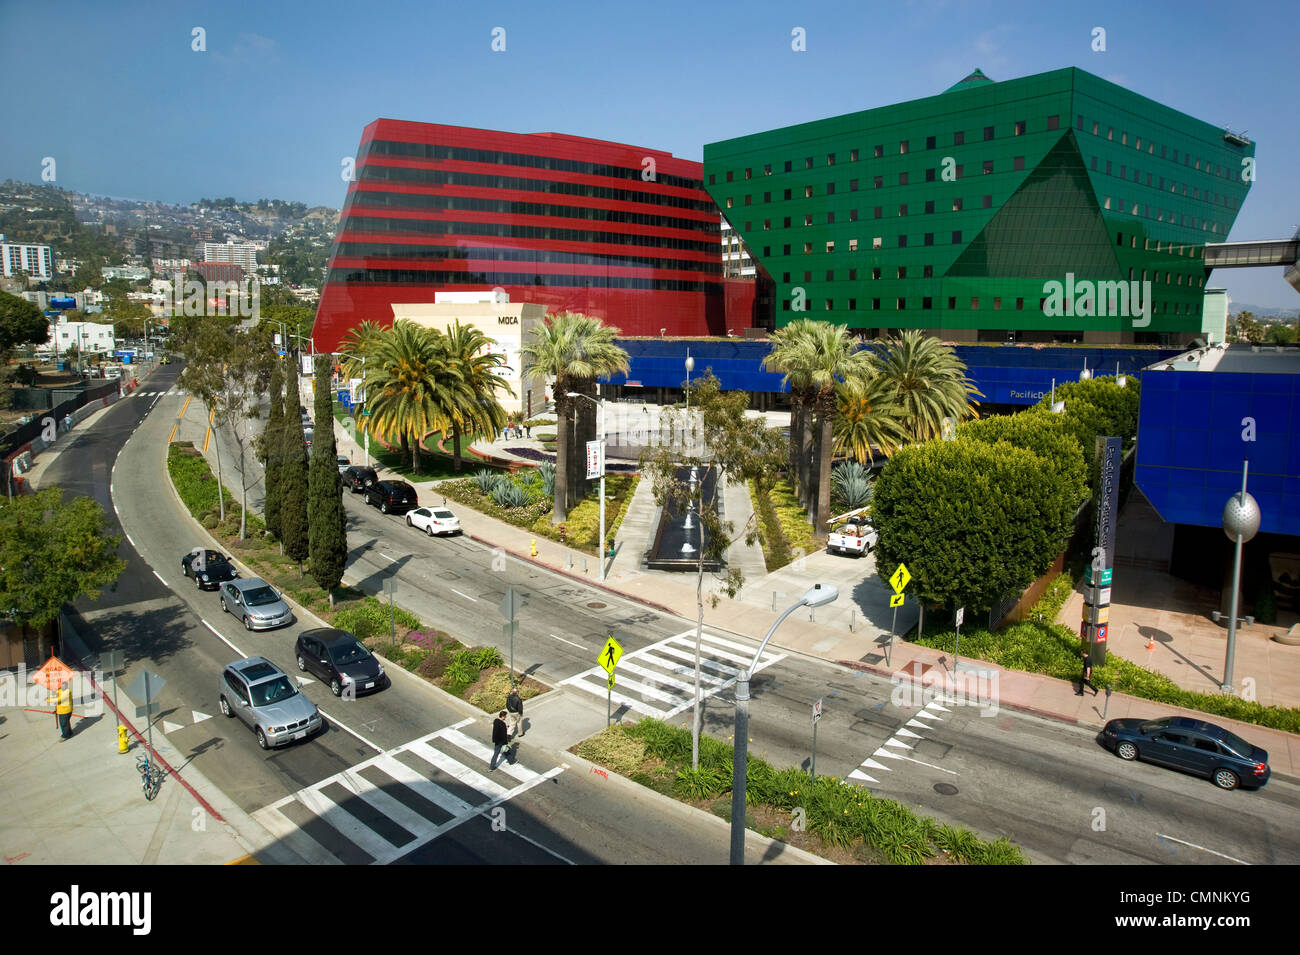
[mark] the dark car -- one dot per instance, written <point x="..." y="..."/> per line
<point x="338" y="658"/>
<point x="358" y="478"/>
<point x="209" y="568"/>
<point x="391" y="496"/>
<point x="1193" y="746"/>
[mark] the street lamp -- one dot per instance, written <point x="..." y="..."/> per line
<point x="817" y="596"/>
<point x="1240" y="522"/>
<point x="1085" y="374"/>
<point x="690" y="367"/>
<point x="600" y="415"/>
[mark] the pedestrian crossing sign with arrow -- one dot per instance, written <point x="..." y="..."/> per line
<point x="610" y="654"/>
<point x="895" y="600"/>
<point x="900" y="579"/>
<point x="611" y="679"/>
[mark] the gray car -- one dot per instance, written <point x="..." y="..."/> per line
<point x="263" y="696"/>
<point x="255" y="602"/>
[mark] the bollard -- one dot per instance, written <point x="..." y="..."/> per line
<point x="532" y="547"/>
<point x="568" y="560"/>
<point x="853" y="613"/>
<point x="123" y="742"/>
<point x="584" y="565"/>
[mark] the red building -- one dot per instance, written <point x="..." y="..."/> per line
<point x="618" y="232"/>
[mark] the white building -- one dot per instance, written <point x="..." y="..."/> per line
<point x="86" y="337"/>
<point x="736" y="262"/>
<point x="132" y="273"/>
<point x="243" y="254"/>
<point x="36" y="260"/>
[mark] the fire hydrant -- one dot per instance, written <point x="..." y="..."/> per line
<point x="123" y="742"/>
<point x="611" y="547"/>
<point x="532" y="547"/>
<point x="563" y="533"/>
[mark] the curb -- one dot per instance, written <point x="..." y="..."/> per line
<point x="682" y="809"/>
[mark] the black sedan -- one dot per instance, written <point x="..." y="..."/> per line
<point x="390" y="496"/>
<point x="357" y="478"/>
<point x="209" y="568"/>
<point x="1193" y="746"/>
<point x="338" y="658"/>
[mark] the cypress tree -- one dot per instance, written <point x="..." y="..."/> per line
<point x="292" y="477"/>
<point x="271" y="439"/>
<point x="326" y="520"/>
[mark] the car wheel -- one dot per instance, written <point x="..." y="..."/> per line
<point x="302" y="664"/>
<point x="383" y="507"/>
<point x="1226" y="779"/>
<point x="336" y="687"/>
<point x="224" y="608"/>
<point x="429" y="530"/>
<point x="261" y="739"/>
<point x="1126" y="750"/>
<point x="408" y="521"/>
<point x="198" y="583"/>
<point x="248" y="624"/>
<point x="225" y="708"/>
<point x="185" y="568"/>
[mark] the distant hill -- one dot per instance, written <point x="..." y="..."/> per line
<point x="1267" y="311"/>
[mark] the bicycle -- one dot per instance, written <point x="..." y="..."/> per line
<point x="150" y="775"/>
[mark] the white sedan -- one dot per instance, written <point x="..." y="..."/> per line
<point x="433" y="520"/>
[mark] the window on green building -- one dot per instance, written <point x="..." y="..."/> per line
<point x="988" y="133"/>
<point x="902" y="147"/>
<point x="988" y="202"/>
<point x="928" y="272"/>
<point x="959" y="138"/>
<point x="901" y="304"/>
<point x="902" y="242"/>
<point x="956" y="237"/>
<point x="974" y="303"/>
<point x="808" y="162"/>
<point x="902" y="271"/>
<point x="988" y="166"/>
<point x="929" y="206"/>
<point x="927" y="303"/>
<point x="789" y="166"/>
<point x="1018" y="163"/>
<point x="929" y="175"/>
<point x="1054" y="122"/>
<point x="902" y="209"/>
<point x="853" y="215"/>
<point x="879" y="151"/>
<point x="902" y="179"/>
<point x="929" y="142"/>
<point x="853" y="155"/>
<point x="877" y="182"/>
<point x="830" y="159"/>
<point x="875" y="273"/>
<point x="956" y="205"/>
<point x="952" y="303"/>
<point x="853" y="185"/>
<point x="928" y="239"/>
<point x="1019" y="128"/>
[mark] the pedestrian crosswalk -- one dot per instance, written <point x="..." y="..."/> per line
<point x="895" y="750"/>
<point x="141" y="393"/>
<point x="376" y="811"/>
<point x="659" y="680"/>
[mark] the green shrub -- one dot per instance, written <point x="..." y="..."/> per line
<point x="370" y="618"/>
<point x="433" y="665"/>
<point x="508" y="494"/>
<point x="486" y="479"/>
<point x="488" y="657"/>
<point x="850" y="486"/>
<point x="702" y="783"/>
<point x="460" y="672"/>
<point x="617" y="750"/>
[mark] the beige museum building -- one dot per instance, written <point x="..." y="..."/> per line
<point x="507" y="324"/>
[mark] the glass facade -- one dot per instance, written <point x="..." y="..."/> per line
<point x="1058" y="178"/>
<point x="625" y="234"/>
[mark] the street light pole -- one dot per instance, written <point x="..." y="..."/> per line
<point x="1241" y="518"/>
<point x="690" y="367"/>
<point x="817" y="596"/>
<point x="600" y="415"/>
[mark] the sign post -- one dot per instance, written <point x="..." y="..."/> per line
<point x="610" y="654"/>
<point x="510" y="609"/>
<point x="817" y="718"/>
<point x="961" y="615"/>
<point x="146" y="686"/>
<point x="898" y="580"/>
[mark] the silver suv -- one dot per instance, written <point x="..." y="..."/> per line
<point x="264" y="697"/>
<point x="255" y="602"/>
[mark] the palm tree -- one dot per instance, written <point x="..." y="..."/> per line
<point x="574" y="350"/>
<point x="475" y="407"/>
<point x="831" y="356"/>
<point x="354" y="346"/>
<point x="409" y="381"/>
<point x="866" y="418"/>
<point x="927" y="383"/>
<point x="788" y="345"/>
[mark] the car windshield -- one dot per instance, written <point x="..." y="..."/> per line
<point x="273" y="691"/>
<point x="260" y="596"/>
<point x="1152" y="726"/>
<point x="349" y="653"/>
<point x="444" y="515"/>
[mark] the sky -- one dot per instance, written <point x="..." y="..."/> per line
<point x="120" y="98"/>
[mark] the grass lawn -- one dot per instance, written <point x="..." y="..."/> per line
<point x="434" y="465"/>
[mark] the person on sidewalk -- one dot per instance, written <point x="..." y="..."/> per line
<point x="515" y="712"/>
<point x="1086" y="678"/>
<point x="62" y="699"/>
<point x="500" y="737"/>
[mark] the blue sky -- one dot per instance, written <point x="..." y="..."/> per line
<point x="117" y="96"/>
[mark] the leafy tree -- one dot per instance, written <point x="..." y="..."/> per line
<point x="1280" y="334"/>
<point x="474" y="405"/>
<point x="575" y="351"/>
<point x="928" y="383"/>
<point x="327" y="522"/>
<point x="270" y="449"/>
<point x="203" y="376"/>
<point x="1096" y="407"/>
<point x="789" y="345"/>
<point x="53" y="551"/>
<point x="973" y="521"/>
<point x="248" y="368"/>
<point x="21" y="323"/>
<point x="867" y="419"/>
<point x="292" y="475"/>
<point x="739" y="448"/>
<point x="409" y="383"/>
<point x="360" y="341"/>
<point x="1048" y="436"/>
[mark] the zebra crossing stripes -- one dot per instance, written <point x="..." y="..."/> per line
<point x="140" y="393"/>
<point x="389" y="805"/>
<point x="659" y="680"/>
<point x="895" y="748"/>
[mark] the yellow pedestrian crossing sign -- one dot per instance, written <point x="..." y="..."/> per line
<point x="900" y="579"/>
<point x="895" y="600"/>
<point x="610" y="654"/>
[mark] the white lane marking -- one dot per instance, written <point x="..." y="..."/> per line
<point x="391" y="560"/>
<point x="858" y="774"/>
<point x="170" y="727"/>
<point x="158" y="575"/>
<point x="222" y="638"/>
<point x="1193" y="845"/>
<point x="345" y="727"/>
<point x="200" y="717"/>
<point x="128" y="536"/>
<point x="466" y="596"/>
<point x="569" y="642"/>
<point x="931" y="765"/>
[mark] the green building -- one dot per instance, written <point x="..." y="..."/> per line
<point x="1035" y="209"/>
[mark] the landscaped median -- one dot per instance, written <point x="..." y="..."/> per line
<point x="1037" y="645"/>
<point x="475" y="674"/>
<point x="784" y="531"/>
<point x="825" y="816"/>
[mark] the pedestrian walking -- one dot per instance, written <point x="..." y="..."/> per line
<point x="529" y="429"/>
<point x="500" y="737"/>
<point x="515" y="712"/>
<point x="62" y="698"/>
<point x="1086" y="678"/>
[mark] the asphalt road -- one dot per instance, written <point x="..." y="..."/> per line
<point x="1047" y="786"/>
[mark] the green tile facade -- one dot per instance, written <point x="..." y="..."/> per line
<point x="955" y="211"/>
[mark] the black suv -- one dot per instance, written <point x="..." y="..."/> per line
<point x="391" y="496"/>
<point x="358" y="478"/>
